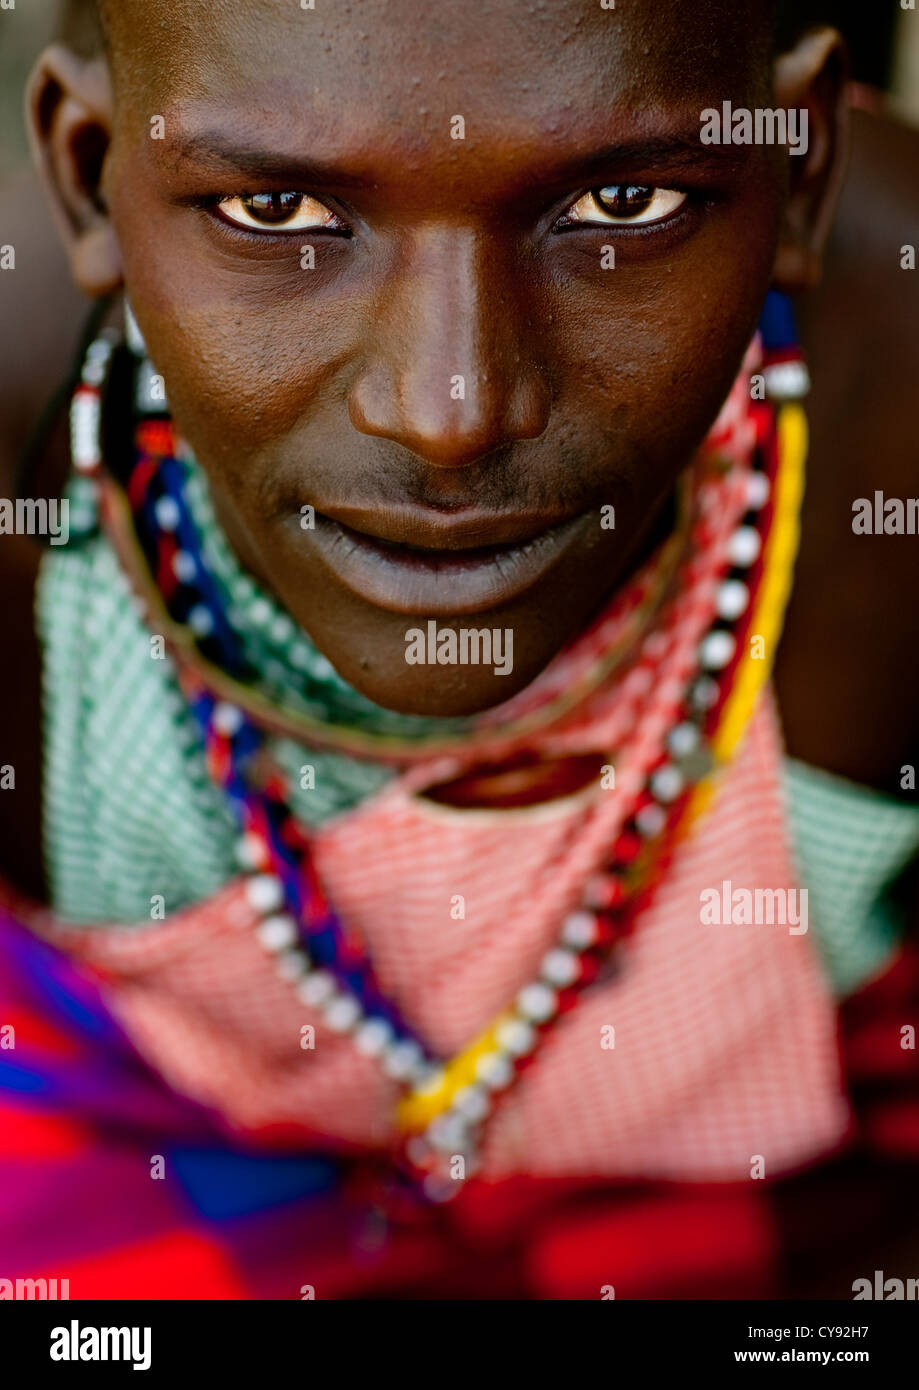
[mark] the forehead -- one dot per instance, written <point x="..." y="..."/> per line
<point x="504" y="64"/>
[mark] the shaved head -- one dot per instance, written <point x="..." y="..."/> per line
<point x="85" y="23"/>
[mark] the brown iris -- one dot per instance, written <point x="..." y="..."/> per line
<point x="272" y="207"/>
<point x="624" y="199"/>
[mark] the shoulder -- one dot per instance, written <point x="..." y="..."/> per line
<point x="849" y="662"/>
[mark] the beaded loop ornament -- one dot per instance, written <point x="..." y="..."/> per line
<point x="446" y="1102"/>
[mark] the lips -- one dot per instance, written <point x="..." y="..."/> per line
<point x="425" y="529"/>
<point x="441" y="564"/>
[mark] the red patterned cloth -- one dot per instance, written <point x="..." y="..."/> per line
<point x="83" y="1118"/>
<point x="725" y="1036"/>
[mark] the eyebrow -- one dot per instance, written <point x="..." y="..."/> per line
<point x="678" y="149"/>
<point x="216" y="152"/>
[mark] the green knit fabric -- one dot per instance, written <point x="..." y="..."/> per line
<point x="130" y="813"/>
<point x="852" y="845"/>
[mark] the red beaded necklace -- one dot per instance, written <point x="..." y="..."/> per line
<point x="447" y="1102"/>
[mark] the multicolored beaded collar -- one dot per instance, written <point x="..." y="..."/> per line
<point x="447" y="1101"/>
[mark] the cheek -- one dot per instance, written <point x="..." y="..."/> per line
<point x="651" y="352"/>
<point x="243" y="351"/>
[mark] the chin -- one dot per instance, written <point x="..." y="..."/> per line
<point x="439" y="691"/>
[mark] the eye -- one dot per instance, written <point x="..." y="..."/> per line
<point x="278" y="212"/>
<point x="625" y="204"/>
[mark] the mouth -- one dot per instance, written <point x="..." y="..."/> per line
<point x="427" y="563"/>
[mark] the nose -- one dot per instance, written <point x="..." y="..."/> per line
<point x="449" y="369"/>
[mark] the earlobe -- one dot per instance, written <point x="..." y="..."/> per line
<point x="69" y="119"/>
<point x="811" y="78"/>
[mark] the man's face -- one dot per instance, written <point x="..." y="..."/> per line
<point x="483" y="350"/>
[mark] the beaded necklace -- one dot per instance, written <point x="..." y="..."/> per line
<point x="446" y="1101"/>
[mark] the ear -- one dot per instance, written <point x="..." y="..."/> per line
<point x="69" y="119"/>
<point x="811" y="77"/>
